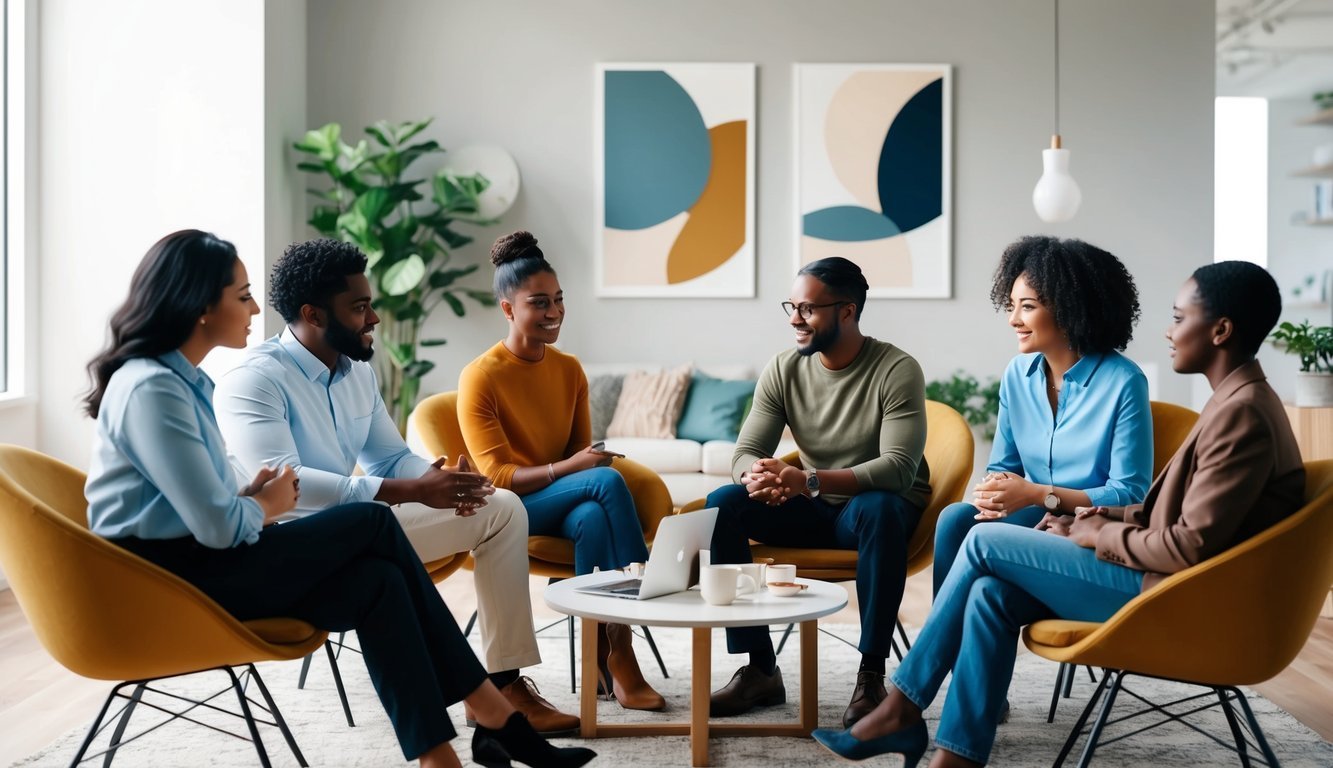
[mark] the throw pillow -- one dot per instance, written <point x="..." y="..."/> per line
<point x="714" y="409"/>
<point x="603" y="394"/>
<point x="650" y="403"/>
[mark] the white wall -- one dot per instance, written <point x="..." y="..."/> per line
<point x="154" y="118"/>
<point x="1136" y="111"/>
<point x="1294" y="251"/>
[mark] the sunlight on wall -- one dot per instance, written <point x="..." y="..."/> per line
<point x="1240" y="173"/>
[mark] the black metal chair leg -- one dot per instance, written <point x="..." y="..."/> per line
<point x="1255" y="730"/>
<point x="122" y="723"/>
<point x="1091" y="675"/>
<point x="1105" y="714"/>
<point x="277" y="716"/>
<point x="1055" y="694"/>
<point x="338" y="682"/>
<point x="467" y="632"/>
<point x="305" y="670"/>
<point x="1242" y="748"/>
<point x="573" y="678"/>
<point x="1082" y="720"/>
<point x="1070" y="674"/>
<point x="92" y="730"/>
<point x="907" y="644"/>
<point x="249" y="718"/>
<point x="783" y="642"/>
<point x="647" y="635"/>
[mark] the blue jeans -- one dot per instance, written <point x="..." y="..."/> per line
<point x="877" y="524"/>
<point x="594" y="508"/>
<point x="954" y="523"/>
<point x="1007" y="577"/>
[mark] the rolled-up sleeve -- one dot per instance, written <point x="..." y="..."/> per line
<point x="159" y="434"/>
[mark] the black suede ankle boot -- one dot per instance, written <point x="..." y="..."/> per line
<point x="517" y="741"/>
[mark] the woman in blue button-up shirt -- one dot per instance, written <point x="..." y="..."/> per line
<point x="160" y="486"/>
<point x="1075" y="425"/>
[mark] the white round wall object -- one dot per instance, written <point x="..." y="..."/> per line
<point x="499" y="169"/>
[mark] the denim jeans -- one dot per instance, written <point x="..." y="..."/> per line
<point x="594" y="508"/>
<point x="954" y="523"/>
<point x="877" y="524"/>
<point x="1007" y="577"/>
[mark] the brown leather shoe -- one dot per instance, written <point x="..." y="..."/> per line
<point x="627" y="683"/>
<point x="541" y="714"/>
<point x="749" y="688"/>
<point x="867" y="695"/>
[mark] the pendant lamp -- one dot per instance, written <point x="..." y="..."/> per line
<point x="1056" y="197"/>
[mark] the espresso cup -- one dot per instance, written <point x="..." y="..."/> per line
<point x="781" y="572"/>
<point x="718" y="583"/>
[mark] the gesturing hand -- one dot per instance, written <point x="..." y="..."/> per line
<point x="589" y="458"/>
<point x="456" y="487"/>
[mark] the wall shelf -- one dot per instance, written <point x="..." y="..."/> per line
<point x="1324" y="171"/>
<point x="1324" y="117"/>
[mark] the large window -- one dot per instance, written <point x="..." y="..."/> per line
<point x="1240" y="173"/>
<point x="15" y="286"/>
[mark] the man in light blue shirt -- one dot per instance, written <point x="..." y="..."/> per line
<point x="309" y="398"/>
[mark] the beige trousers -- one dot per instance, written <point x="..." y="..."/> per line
<point x="497" y="537"/>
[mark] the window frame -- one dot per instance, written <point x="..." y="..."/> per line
<point x="18" y="279"/>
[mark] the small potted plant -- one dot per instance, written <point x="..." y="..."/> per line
<point x="1314" y="347"/>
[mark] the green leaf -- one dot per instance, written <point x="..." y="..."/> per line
<point x="310" y="167"/>
<point x="485" y="298"/>
<point x="454" y="304"/>
<point x="321" y="141"/>
<point x="405" y="131"/>
<point x="456" y="194"/>
<point x="324" y="220"/>
<point x="447" y="276"/>
<point x="381" y="131"/>
<point x="402" y="354"/>
<point x="433" y="342"/>
<point x="373" y="257"/>
<point x="373" y="205"/>
<point x="404" y="276"/>
<point x="418" y="368"/>
<point x="412" y="311"/>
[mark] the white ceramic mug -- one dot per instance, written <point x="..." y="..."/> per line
<point x="718" y="583"/>
<point x="755" y="571"/>
<point x="781" y="572"/>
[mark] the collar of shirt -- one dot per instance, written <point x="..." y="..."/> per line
<point x="312" y="366"/>
<point x="193" y="376"/>
<point x="1080" y="373"/>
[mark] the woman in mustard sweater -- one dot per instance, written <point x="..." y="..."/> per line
<point x="523" y="411"/>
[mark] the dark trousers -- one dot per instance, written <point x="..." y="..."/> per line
<point x="346" y="568"/>
<point x="877" y="524"/>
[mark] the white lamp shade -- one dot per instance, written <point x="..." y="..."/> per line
<point x="1056" y="196"/>
<point x="499" y="169"/>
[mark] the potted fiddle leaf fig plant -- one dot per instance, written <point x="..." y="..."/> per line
<point x="405" y="226"/>
<point x="1314" y="346"/>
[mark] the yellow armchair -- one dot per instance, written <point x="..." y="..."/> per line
<point x="1235" y="619"/>
<point x="107" y="614"/>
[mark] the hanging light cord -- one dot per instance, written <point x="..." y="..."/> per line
<point x="1057" y="67"/>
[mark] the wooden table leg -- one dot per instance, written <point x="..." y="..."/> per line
<point x="588" y="694"/>
<point x="809" y="676"/>
<point x="700" y="688"/>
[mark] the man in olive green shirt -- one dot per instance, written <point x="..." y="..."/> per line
<point x="857" y="408"/>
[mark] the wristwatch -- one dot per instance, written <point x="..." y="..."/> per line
<point x="811" y="483"/>
<point x="1052" y="502"/>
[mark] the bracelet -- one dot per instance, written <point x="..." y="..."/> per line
<point x="550" y="471"/>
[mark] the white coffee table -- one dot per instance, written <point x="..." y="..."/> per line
<point x="687" y="609"/>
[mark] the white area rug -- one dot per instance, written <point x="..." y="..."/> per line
<point x="1027" y="739"/>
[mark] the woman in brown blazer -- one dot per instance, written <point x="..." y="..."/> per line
<point x="1238" y="472"/>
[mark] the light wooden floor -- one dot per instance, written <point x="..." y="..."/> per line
<point x="40" y="700"/>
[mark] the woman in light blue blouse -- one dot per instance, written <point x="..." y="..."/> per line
<point x="161" y="487"/>
<point x="1075" y="426"/>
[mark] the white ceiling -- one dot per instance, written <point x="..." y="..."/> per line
<point x="1276" y="49"/>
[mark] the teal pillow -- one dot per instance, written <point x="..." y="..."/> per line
<point x="713" y="409"/>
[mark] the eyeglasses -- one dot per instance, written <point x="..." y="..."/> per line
<point x="807" y="310"/>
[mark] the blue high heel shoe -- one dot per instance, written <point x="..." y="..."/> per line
<point x="910" y="743"/>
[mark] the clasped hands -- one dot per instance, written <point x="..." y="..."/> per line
<point x="1081" y="528"/>
<point x="1000" y="493"/>
<point x="773" y="481"/>
<point x="456" y="487"/>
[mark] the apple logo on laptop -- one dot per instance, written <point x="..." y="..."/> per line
<point x="680" y="555"/>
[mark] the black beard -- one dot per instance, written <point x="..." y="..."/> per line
<point x="821" y="341"/>
<point x="347" y="342"/>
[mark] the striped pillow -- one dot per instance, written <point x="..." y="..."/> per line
<point x="650" y="403"/>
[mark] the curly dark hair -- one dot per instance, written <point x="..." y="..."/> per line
<point x="1243" y="292"/>
<point x="516" y="258"/>
<point x="311" y="273"/>
<point x="1088" y="291"/>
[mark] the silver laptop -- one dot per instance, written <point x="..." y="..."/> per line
<point x="673" y="563"/>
